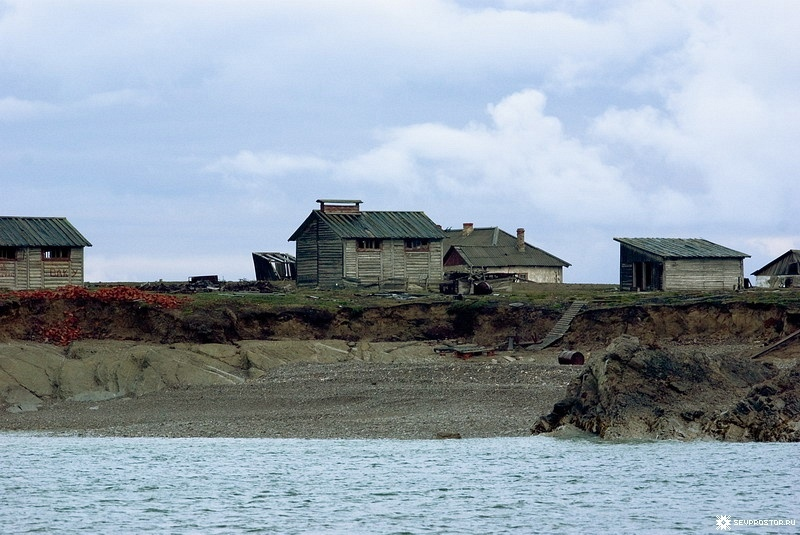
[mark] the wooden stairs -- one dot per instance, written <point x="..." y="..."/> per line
<point x="560" y="328"/>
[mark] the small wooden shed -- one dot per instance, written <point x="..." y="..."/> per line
<point x="493" y="251"/>
<point x="784" y="271"/>
<point x="340" y="244"/>
<point x="40" y="252"/>
<point x="678" y="264"/>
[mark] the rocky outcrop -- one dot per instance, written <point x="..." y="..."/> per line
<point x="95" y="370"/>
<point x="630" y="391"/>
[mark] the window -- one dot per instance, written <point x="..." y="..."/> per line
<point x="55" y="253"/>
<point x="417" y="244"/>
<point x="8" y="253"/>
<point x="368" y="244"/>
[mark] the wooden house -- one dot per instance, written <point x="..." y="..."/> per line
<point x="339" y="244"/>
<point x="784" y="271"/>
<point x="678" y="264"/>
<point x="492" y="251"/>
<point x="40" y="252"/>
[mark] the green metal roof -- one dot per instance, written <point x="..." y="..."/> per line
<point x="382" y="225"/>
<point x="681" y="248"/>
<point x="502" y="256"/>
<point x="39" y="232"/>
<point x="494" y="247"/>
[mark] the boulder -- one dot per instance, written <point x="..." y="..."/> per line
<point x="630" y="391"/>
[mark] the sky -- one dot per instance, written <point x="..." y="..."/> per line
<point x="181" y="136"/>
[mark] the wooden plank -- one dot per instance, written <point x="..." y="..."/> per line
<point x="776" y="344"/>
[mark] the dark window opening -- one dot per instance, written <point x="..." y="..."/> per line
<point x="55" y="253"/>
<point x="417" y="244"/>
<point x="8" y="253"/>
<point x="368" y="244"/>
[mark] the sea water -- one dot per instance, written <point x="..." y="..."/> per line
<point x="70" y="484"/>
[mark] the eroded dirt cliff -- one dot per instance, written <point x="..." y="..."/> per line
<point x="485" y="322"/>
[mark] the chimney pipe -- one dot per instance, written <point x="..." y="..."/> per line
<point x="339" y="206"/>
<point x="521" y="240"/>
<point x="468" y="227"/>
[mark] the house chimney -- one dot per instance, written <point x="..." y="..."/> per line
<point x="339" y="206"/>
<point x="521" y="240"/>
<point x="468" y="228"/>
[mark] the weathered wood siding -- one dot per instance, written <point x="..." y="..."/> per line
<point x="628" y="258"/>
<point x="703" y="274"/>
<point x="29" y="271"/>
<point x="393" y="263"/>
<point x="326" y="260"/>
<point x="424" y="268"/>
<point x="319" y="256"/>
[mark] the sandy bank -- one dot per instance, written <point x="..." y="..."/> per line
<point x="389" y="391"/>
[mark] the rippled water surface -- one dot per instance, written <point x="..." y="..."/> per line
<point x="519" y="485"/>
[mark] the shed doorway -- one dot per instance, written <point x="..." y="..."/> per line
<point x="643" y="275"/>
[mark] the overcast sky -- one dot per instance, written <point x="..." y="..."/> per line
<point x="181" y="136"/>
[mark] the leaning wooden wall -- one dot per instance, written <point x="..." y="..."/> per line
<point x="319" y="257"/>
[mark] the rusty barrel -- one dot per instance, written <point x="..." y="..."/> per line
<point x="571" y="357"/>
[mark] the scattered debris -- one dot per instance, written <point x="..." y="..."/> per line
<point x="203" y="284"/>
<point x="465" y="351"/>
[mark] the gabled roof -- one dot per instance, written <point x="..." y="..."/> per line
<point x="39" y="232"/>
<point x="780" y="266"/>
<point x="681" y="248"/>
<point x="494" y="247"/>
<point x="382" y="225"/>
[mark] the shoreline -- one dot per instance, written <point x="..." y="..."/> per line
<point x="448" y="398"/>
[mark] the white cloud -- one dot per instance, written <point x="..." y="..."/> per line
<point x="13" y="109"/>
<point x="121" y="97"/>
<point x="612" y="118"/>
<point x="523" y="155"/>
<point x="267" y="164"/>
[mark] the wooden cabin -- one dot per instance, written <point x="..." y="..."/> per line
<point x="339" y="244"/>
<point x="783" y="272"/>
<point x="492" y="251"/>
<point x="40" y="252"/>
<point x="678" y="264"/>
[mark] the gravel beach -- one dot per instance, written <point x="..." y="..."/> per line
<point x="478" y="397"/>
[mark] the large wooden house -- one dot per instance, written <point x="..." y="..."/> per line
<point x="678" y="264"/>
<point x="339" y="244"/>
<point x="492" y="251"/>
<point x="40" y="252"/>
<point x="784" y="271"/>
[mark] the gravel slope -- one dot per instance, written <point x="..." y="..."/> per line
<point x="479" y="397"/>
